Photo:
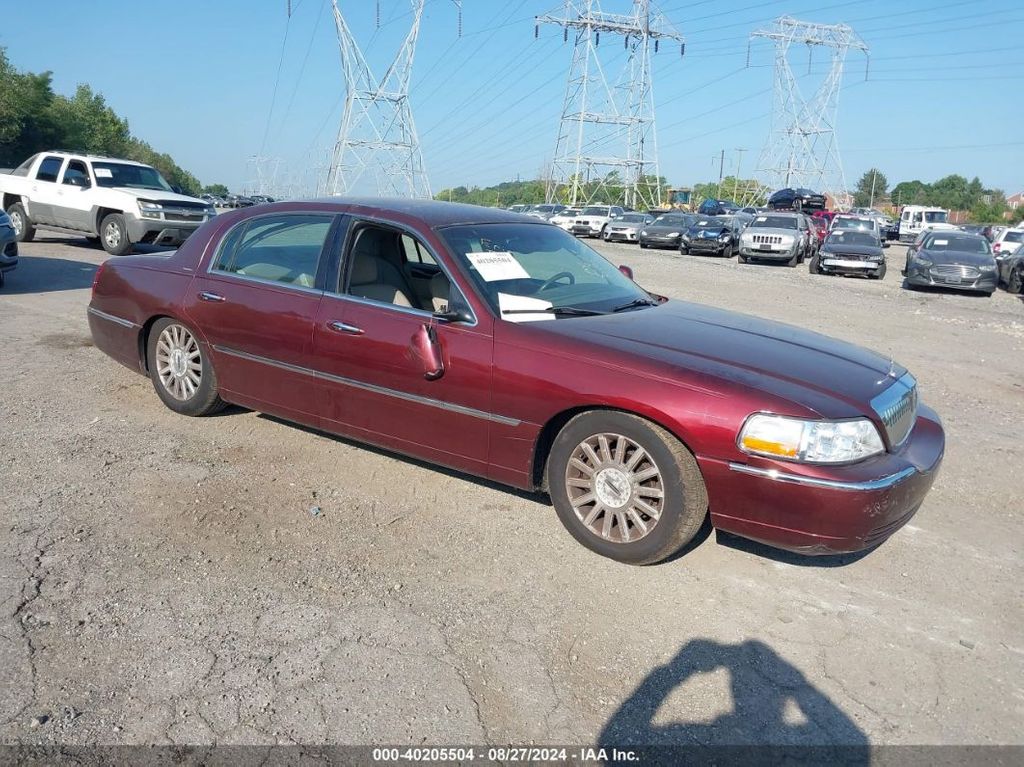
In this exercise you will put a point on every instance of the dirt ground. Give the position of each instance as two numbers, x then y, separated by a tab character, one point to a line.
163	579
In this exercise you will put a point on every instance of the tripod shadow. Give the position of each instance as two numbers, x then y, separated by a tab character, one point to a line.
773	705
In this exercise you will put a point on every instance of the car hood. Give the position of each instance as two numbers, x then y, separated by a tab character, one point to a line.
958	257
699	343
665	228
851	250
158	194
771	230
714	231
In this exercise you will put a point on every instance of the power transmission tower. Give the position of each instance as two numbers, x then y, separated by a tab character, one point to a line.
802	150
377	149
606	150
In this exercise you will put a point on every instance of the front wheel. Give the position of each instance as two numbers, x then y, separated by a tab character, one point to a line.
643	245
683	250
813	265
24	231
114	235
794	260
181	373
880	274
1015	283
625	488
727	251
740	258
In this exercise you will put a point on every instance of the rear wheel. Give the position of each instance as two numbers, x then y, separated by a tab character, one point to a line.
114	235
181	373
24	231
625	488
1015	283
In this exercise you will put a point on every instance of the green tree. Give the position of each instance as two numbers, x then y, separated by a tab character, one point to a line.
218	189
870	189
910	193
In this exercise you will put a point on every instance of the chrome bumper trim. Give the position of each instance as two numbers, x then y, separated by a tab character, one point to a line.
111	318
882	483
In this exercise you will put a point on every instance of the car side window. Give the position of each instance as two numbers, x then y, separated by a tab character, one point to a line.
415	253
284	248
49	169
76	174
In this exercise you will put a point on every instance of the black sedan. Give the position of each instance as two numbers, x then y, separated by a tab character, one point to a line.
850	252
8	247
796	199
952	260
1011	271
666	230
711	235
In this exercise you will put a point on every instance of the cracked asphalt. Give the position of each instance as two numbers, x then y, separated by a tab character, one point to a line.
163	580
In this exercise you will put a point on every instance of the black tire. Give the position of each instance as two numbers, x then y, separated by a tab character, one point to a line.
740	258
94	241
727	251
1015	282
880	274
794	260
683	250
3	279
23	226
812	265
684	505
643	245
114	235
205	400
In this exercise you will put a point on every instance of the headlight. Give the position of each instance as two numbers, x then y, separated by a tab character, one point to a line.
211	211
686	237
793	439
988	268
150	209
724	236
643	233
673	234
922	261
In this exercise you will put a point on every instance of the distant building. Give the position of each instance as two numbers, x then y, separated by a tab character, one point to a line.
1015	200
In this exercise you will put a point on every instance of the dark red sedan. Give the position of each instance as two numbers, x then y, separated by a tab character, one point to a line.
504	347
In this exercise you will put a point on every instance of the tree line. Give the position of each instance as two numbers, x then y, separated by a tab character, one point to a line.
34	119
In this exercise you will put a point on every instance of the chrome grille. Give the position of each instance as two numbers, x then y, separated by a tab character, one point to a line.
954	271
767	239
897	407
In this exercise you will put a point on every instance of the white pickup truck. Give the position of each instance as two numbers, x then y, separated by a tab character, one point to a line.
116	202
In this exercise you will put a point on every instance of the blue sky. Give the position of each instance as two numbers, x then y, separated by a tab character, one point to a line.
197	80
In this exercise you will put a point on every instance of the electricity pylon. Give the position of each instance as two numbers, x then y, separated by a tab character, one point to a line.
802	150
377	149
607	150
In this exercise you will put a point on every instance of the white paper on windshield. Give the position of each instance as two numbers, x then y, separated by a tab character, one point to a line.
509	302
941	242
761	219
496	266
103	172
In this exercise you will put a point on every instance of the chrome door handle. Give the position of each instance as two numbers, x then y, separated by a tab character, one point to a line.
208	296
341	327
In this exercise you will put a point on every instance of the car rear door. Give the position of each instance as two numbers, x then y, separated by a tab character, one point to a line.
256	304
372	331
43	191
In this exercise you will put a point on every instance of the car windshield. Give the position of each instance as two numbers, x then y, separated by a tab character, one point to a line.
1014	237
851	223
593	211
935	216
112	174
632	218
774	222
711	221
672	219
852	238
531	272
960	244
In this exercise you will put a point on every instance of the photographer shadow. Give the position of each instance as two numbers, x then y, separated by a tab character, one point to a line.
776	714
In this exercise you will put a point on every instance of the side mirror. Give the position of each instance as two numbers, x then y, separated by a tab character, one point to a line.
626	271
176	189
460	314
428	349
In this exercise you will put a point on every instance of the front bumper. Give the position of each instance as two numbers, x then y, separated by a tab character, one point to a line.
159	232
921	276
768	255
848	265
586	230
706	246
8	255
660	241
826	510
622	236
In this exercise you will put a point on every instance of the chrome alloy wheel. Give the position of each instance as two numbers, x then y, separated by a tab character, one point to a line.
178	362
615	488
17	222
112	235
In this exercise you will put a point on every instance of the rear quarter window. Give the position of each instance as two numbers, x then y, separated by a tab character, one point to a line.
284	248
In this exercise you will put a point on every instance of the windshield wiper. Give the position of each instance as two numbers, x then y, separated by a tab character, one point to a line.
635	303
567	311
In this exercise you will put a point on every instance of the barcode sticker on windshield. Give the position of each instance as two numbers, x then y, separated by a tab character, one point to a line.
497	266
103	173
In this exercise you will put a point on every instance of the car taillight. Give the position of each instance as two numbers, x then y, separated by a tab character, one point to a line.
96	277
995	248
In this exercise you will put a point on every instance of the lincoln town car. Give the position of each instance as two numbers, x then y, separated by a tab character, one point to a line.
503	347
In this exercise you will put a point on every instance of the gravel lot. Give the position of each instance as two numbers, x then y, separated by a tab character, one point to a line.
163	579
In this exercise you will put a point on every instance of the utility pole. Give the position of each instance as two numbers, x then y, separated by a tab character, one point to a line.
801	149
606	131
377	136
735	186
721	169
874	175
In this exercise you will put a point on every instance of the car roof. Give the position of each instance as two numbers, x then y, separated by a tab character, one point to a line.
435	213
90	156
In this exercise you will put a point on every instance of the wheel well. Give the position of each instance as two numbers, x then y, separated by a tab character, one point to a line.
10	199
144	341
102	213
550	430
